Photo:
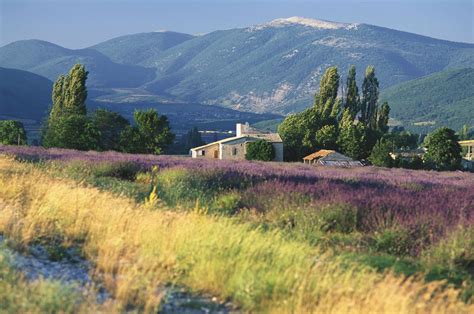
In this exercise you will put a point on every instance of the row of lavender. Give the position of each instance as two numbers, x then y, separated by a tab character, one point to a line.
421	201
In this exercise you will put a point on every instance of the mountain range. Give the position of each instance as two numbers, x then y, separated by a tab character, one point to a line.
269	68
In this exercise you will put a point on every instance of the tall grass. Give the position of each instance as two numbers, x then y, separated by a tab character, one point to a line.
137	248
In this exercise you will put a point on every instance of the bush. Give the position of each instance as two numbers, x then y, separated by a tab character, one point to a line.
12	133
380	155
393	241
74	131
338	218
443	150
260	150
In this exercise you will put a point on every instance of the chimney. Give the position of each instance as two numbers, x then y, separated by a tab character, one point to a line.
238	129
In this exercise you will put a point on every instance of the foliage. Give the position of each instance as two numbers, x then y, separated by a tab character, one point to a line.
325	126
298	131
380	155
401	139
69	94
260	150
370	95
443	150
110	125
12	133
206	253
382	118
466	133
72	131
150	135
327	137
67	125
189	140
353	140
352	101
440	99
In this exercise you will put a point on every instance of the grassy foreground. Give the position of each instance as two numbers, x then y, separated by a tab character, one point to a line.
137	247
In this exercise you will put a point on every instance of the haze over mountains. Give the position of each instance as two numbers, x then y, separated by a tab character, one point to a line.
271	68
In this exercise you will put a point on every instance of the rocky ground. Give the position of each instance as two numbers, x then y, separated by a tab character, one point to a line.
71	269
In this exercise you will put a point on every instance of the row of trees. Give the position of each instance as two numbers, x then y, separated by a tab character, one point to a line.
69	125
352	123
443	152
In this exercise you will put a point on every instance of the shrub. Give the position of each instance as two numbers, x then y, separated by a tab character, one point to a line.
337	218
226	203
393	241
12	133
443	150
260	150
380	155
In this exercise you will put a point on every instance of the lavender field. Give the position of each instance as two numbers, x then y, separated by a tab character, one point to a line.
404	221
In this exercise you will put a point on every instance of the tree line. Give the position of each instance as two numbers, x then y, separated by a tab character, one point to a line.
351	124
350	121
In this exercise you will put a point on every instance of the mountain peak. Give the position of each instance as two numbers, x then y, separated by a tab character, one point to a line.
314	23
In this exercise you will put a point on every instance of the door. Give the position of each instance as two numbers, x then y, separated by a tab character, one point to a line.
216	154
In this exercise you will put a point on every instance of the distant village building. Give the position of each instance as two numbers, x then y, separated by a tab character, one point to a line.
468	154
236	147
325	157
408	154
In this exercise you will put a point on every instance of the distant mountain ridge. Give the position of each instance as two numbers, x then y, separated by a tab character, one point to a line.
273	67
441	99
24	95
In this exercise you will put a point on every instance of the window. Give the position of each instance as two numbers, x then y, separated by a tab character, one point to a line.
234	151
202	152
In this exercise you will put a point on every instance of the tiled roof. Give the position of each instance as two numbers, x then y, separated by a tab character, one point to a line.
319	154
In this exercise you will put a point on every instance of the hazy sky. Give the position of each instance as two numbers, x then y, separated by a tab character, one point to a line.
78	24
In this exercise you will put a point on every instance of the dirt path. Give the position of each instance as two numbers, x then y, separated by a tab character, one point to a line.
73	270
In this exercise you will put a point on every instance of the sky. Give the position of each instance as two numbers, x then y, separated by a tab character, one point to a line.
79	24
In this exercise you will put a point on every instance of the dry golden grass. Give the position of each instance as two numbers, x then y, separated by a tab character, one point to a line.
137	249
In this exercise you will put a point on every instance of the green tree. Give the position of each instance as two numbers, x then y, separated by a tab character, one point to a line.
352	138
325	101
326	137
443	150
192	139
382	119
380	155
260	150
401	139
12	133
72	131
150	135
352	92
370	96
68	111
298	131
110	126
465	133
70	93
131	141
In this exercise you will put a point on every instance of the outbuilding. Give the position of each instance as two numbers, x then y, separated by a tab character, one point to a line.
326	157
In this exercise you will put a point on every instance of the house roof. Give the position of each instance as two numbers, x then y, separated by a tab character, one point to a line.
270	137
229	139
319	154
466	142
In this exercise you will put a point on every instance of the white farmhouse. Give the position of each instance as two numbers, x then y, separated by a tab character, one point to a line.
236	147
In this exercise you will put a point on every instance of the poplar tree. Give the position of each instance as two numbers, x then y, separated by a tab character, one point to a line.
382	119
352	92
326	102
67	125
370	96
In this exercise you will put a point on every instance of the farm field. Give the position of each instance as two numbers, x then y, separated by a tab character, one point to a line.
250	236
